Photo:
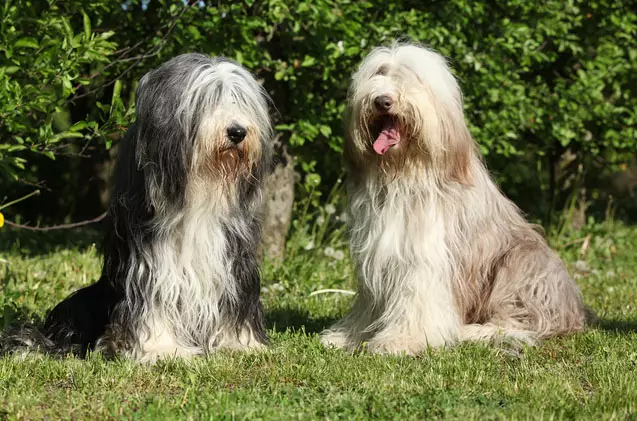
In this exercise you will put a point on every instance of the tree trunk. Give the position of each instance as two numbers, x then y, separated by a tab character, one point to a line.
277	211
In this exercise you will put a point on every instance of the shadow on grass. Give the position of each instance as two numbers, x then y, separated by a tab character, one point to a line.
15	322
12	315
43	242
619	327
295	319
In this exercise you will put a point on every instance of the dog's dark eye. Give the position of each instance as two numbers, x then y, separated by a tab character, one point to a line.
382	70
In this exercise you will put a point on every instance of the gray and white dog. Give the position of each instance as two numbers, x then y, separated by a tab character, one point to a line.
180	274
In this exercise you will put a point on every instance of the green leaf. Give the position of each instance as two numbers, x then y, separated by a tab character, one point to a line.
308	61
326	131
27	42
65	135
117	89
115	98
280	74
87	26
107	34
284	127
194	32
68	31
67	86
9	70
79	126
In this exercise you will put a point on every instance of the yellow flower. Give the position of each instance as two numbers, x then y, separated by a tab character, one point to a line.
1	220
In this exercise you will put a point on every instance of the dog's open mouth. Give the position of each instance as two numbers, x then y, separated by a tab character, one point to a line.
386	132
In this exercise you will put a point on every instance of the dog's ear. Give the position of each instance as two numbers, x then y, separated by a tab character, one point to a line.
353	150
459	149
163	151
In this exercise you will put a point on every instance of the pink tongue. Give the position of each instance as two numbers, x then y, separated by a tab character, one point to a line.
387	138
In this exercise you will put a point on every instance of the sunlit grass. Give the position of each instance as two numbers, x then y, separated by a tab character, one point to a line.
591	375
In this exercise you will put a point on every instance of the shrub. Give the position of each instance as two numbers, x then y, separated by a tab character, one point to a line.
549	87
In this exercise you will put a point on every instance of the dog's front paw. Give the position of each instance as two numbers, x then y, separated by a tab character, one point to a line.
336	338
396	346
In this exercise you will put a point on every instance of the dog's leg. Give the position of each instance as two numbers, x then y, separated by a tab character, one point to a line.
349	332
160	343
532	297
242	338
420	314
246	330
405	301
338	336
150	342
497	333
244	321
76	323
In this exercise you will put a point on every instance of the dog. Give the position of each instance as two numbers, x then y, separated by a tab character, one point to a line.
442	256
180	275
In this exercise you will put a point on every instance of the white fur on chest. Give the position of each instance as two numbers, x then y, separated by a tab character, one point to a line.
400	228
399	242
193	273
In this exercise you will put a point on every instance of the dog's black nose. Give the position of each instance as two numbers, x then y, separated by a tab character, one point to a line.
383	102
236	133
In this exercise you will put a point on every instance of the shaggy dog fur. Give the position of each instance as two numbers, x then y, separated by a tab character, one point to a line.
441	254
180	273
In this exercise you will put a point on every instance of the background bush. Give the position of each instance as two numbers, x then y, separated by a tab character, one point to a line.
549	86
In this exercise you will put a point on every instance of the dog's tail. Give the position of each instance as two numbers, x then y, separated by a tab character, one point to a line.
72	327
25	338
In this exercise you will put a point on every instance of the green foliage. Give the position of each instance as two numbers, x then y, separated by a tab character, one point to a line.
541	81
43	63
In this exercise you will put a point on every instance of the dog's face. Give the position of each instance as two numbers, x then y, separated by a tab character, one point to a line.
235	131
405	109
202	124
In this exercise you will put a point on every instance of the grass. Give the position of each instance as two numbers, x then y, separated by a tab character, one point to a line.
592	375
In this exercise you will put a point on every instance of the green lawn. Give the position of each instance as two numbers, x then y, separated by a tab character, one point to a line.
591	375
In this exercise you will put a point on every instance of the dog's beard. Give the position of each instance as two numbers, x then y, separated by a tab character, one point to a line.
230	163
